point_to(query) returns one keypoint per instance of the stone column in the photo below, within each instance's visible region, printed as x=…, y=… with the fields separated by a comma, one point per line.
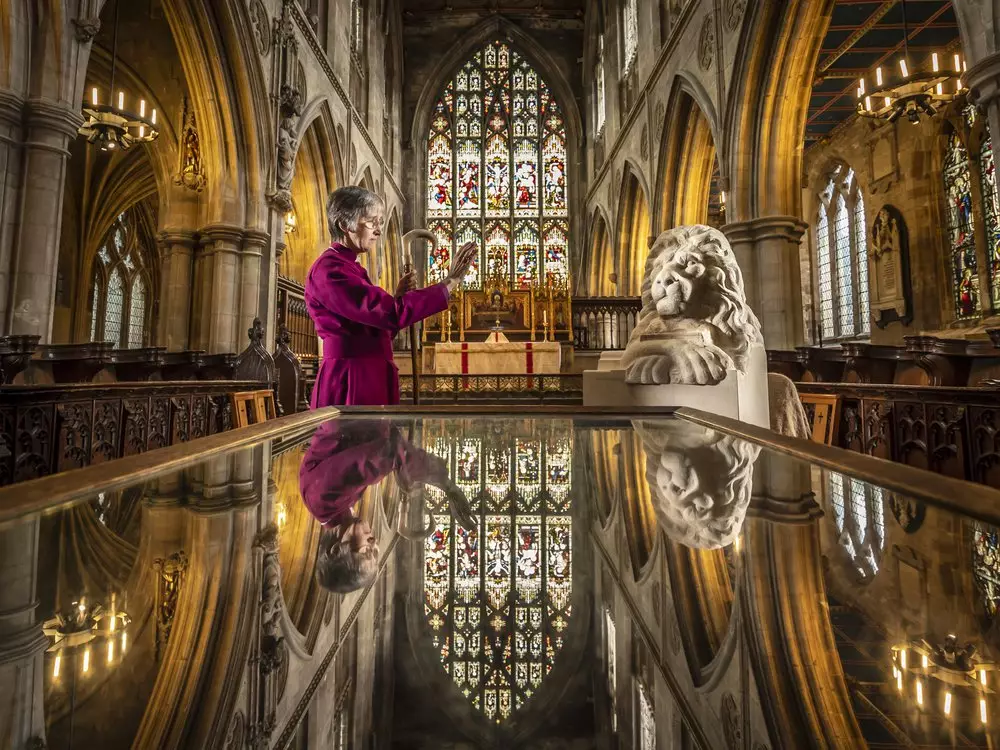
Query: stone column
x=28, y=279
x=11, y=120
x=983, y=80
x=173, y=329
x=22, y=644
x=767, y=250
x=256, y=285
x=222, y=247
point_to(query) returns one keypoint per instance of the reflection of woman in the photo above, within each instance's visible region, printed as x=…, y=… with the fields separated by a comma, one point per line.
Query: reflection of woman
x=356, y=319
x=345, y=457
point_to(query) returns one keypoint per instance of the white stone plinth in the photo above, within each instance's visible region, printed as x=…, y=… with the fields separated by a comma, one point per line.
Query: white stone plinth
x=739, y=396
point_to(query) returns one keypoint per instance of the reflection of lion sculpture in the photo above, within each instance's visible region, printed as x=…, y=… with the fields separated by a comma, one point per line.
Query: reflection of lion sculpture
x=700, y=479
x=695, y=323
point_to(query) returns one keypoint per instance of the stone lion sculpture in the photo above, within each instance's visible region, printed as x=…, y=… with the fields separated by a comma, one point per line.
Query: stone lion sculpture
x=695, y=323
x=700, y=480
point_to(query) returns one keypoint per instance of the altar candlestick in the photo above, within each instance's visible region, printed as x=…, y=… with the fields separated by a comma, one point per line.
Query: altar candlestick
x=443, y=321
x=545, y=324
x=461, y=314
x=531, y=308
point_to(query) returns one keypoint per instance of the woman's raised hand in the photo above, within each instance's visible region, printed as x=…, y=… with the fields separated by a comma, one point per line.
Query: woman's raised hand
x=462, y=261
x=407, y=283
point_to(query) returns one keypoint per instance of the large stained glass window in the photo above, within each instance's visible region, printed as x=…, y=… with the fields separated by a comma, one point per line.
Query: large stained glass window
x=497, y=595
x=119, y=309
x=496, y=172
x=859, y=514
x=961, y=229
x=842, y=258
x=991, y=211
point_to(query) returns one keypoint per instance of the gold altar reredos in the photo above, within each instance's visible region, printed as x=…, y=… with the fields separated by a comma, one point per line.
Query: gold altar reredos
x=539, y=312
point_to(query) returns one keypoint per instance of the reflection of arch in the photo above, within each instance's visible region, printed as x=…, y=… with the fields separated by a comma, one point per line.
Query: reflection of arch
x=687, y=157
x=633, y=233
x=637, y=504
x=316, y=176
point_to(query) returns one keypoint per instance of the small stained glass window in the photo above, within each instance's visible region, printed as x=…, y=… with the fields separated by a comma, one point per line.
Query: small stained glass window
x=599, y=83
x=991, y=211
x=118, y=308
x=104, y=255
x=137, y=313
x=647, y=719
x=630, y=25
x=961, y=229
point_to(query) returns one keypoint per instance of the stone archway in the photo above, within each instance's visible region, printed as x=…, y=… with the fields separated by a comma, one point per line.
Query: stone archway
x=634, y=233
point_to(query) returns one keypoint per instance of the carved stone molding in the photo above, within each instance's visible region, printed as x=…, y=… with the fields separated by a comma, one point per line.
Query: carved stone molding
x=235, y=735
x=86, y=29
x=53, y=117
x=11, y=108
x=983, y=80
x=706, y=42
x=734, y=13
x=644, y=142
x=790, y=228
x=732, y=727
x=261, y=27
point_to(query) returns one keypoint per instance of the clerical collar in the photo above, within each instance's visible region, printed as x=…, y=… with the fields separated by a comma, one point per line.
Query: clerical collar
x=344, y=250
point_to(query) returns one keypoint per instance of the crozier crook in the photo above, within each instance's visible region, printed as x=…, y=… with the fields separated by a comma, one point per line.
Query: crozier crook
x=415, y=234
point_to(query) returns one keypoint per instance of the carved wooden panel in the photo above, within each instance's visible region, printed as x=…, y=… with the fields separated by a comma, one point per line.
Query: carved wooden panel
x=33, y=442
x=74, y=428
x=909, y=420
x=199, y=416
x=159, y=422
x=136, y=429
x=106, y=433
x=877, y=428
x=947, y=439
x=180, y=419
x=985, y=443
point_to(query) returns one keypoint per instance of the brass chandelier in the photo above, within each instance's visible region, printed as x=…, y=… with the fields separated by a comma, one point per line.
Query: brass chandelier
x=109, y=125
x=914, y=91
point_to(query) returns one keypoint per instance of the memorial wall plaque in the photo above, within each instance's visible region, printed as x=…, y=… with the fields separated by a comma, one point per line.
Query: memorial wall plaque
x=889, y=269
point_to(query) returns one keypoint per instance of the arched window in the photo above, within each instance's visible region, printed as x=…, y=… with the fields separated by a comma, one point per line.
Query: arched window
x=842, y=258
x=961, y=229
x=630, y=36
x=496, y=161
x=359, y=58
x=611, y=643
x=859, y=514
x=119, y=295
x=991, y=211
x=497, y=597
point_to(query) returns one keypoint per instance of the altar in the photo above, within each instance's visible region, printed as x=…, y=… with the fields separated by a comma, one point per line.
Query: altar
x=504, y=358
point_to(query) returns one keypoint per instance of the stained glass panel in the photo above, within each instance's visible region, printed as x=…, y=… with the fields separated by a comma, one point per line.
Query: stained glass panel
x=991, y=210
x=986, y=566
x=825, y=283
x=137, y=313
x=499, y=153
x=861, y=263
x=611, y=641
x=957, y=183
x=498, y=596
x=599, y=79
x=647, y=721
x=114, y=309
x=95, y=298
x=556, y=243
x=469, y=231
x=842, y=240
x=439, y=260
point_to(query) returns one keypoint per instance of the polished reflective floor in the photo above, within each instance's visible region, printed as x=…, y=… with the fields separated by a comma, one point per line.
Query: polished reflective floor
x=529, y=582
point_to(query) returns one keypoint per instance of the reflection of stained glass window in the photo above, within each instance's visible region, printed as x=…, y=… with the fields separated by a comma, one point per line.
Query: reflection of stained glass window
x=599, y=82
x=958, y=193
x=842, y=257
x=986, y=565
x=497, y=596
x=630, y=25
x=991, y=210
x=95, y=301
x=496, y=152
x=611, y=641
x=647, y=720
x=859, y=515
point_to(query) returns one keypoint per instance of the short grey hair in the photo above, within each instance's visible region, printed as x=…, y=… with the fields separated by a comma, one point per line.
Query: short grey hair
x=346, y=206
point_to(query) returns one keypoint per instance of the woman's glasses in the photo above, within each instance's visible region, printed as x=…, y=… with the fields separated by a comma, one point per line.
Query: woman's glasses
x=376, y=223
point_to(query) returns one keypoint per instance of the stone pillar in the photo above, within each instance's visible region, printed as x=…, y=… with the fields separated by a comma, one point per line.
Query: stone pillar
x=257, y=285
x=173, y=329
x=22, y=644
x=767, y=250
x=222, y=247
x=28, y=274
x=11, y=120
x=983, y=80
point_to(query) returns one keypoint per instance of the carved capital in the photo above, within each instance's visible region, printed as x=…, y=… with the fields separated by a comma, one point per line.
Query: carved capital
x=86, y=29
x=11, y=107
x=223, y=236
x=789, y=228
x=42, y=116
x=983, y=80
x=170, y=238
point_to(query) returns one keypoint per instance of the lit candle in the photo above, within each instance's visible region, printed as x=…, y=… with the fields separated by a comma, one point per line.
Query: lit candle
x=920, y=693
x=958, y=64
x=121, y=100
x=93, y=95
x=153, y=118
x=878, y=76
x=947, y=704
x=124, y=640
x=982, y=709
x=545, y=318
x=142, y=108
x=86, y=661
x=903, y=68
x=111, y=651
x=55, y=667
x=934, y=62
x=861, y=87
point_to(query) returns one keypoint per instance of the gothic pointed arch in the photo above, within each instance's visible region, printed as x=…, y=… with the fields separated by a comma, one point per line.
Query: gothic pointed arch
x=634, y=231
x=687, y=158
x=600, y=268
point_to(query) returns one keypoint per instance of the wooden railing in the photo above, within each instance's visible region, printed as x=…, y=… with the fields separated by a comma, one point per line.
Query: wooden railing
x=953, y=431
x=603, y=323
x=53, y=428
x=523, y=389
x=293, y=315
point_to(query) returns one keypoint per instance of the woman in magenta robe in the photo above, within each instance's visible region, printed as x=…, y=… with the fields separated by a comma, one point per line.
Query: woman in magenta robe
x=357, y=320
x=344, y=458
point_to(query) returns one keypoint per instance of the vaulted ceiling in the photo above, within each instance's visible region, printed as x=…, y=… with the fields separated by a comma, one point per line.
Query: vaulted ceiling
x=555, y=9
x=867, y=33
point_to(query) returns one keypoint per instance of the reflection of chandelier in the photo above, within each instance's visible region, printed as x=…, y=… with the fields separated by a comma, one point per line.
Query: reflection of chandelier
x=82, y=624
x=110, y=125
x=914, y=91
x=939, y=677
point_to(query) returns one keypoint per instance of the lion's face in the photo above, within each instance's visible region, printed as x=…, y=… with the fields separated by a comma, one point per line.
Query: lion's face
x=675, y=282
